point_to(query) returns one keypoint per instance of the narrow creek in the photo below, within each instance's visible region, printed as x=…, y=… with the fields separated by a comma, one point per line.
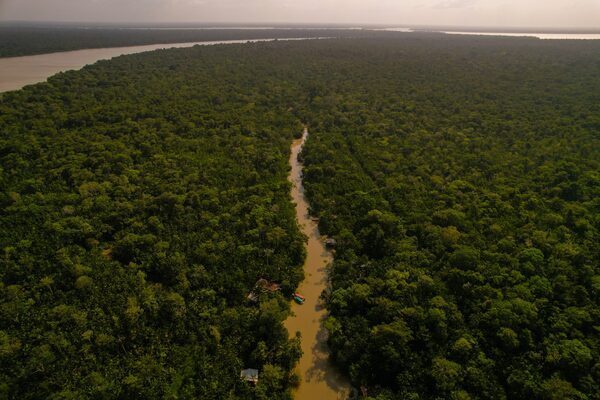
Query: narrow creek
x=320, y=380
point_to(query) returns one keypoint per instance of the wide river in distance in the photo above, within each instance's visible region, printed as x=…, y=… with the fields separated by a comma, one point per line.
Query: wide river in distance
x=538, y=35
x=17, y=72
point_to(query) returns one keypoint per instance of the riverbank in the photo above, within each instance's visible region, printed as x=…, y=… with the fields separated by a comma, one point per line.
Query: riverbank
x=17, y=72
x=319, y=378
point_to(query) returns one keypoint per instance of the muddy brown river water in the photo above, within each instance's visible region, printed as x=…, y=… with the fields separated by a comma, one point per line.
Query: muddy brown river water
x=319, y=379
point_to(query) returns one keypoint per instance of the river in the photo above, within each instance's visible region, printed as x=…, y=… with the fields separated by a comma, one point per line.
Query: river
x=543, y=36
x=319, y=379
x=17, y=72
x=539, y=35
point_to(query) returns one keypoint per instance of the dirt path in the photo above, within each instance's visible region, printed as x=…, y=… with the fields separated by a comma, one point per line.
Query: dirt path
x=319, y=379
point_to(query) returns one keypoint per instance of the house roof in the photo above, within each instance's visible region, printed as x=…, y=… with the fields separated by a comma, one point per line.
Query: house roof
x=266, y=285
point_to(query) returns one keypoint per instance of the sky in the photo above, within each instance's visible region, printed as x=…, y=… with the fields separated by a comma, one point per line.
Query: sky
x=496, y=13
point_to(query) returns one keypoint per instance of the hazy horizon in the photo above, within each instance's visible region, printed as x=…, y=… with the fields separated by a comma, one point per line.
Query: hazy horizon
x=576, y=14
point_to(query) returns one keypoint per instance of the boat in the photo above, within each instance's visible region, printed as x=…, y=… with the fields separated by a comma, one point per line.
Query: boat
x=298, y=298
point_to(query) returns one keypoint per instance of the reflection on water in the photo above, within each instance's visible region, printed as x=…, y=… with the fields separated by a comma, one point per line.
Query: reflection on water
x=556, y=36
x=319, y=379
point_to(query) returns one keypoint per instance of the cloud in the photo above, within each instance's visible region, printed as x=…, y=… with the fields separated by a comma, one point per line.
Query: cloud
x=521, y=13
x=446, y=4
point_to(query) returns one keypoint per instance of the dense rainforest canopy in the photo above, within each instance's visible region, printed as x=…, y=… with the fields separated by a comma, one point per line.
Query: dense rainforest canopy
x=461, y=179
x=141, y=198
x=18, y=40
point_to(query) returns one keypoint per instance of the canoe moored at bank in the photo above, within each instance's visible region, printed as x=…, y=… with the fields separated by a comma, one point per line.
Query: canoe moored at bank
x=298, y=298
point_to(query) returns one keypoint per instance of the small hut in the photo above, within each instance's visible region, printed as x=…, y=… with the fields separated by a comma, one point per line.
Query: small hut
x=330, y=243
x=261, y=286
x=267, y=286
x=249, y=375
x=253, y=297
